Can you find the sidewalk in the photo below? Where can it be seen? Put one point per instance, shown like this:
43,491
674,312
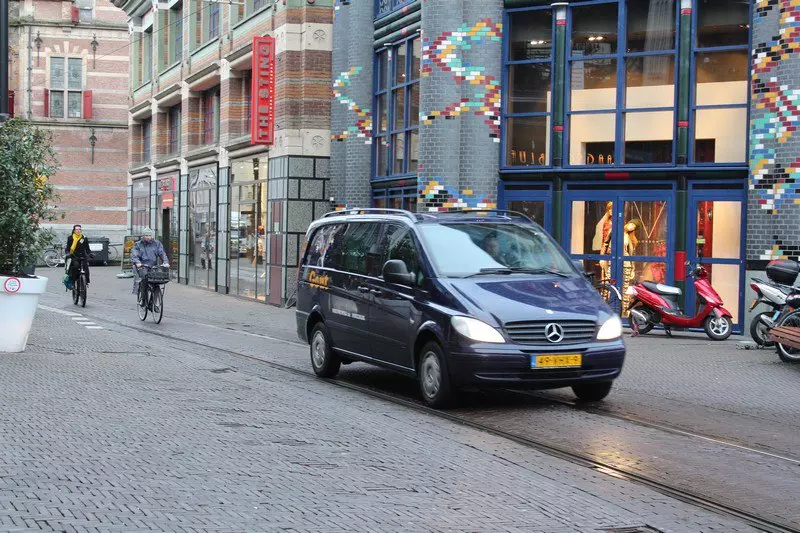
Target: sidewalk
117,430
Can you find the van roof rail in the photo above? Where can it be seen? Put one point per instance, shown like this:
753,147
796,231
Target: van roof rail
478,211
371,211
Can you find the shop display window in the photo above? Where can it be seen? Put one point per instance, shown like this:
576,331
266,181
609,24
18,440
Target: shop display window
203,226
248,228
527,108
140,205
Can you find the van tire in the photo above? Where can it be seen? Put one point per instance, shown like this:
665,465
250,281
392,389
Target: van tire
434,377
324,361
592,392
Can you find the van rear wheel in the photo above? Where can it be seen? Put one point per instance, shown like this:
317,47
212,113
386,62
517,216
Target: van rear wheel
592,392
325,363
434,378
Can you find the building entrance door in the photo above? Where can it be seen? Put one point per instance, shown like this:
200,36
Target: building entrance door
622,236
715,241
534,202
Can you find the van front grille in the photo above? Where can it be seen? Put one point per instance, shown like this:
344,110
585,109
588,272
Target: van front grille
575,331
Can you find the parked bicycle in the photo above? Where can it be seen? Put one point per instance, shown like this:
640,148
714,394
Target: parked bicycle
54,256
79,286
151,292
609,291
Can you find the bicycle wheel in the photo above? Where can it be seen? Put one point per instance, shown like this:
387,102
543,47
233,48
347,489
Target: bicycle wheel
82,289
611,295
141,302
51,258
789,354
113,253
158,304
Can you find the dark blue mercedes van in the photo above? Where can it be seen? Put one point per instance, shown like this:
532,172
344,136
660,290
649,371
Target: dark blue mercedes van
457,300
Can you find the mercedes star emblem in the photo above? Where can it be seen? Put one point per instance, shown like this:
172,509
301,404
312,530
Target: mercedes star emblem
553,333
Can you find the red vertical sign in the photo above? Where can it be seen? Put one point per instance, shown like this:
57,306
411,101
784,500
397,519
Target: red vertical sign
262,101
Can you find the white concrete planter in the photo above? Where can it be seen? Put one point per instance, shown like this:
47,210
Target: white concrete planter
18,300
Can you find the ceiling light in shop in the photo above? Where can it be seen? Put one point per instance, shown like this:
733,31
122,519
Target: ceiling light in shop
538,42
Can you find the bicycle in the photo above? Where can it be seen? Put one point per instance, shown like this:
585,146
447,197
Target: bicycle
609,291
79,286
151,293
54,256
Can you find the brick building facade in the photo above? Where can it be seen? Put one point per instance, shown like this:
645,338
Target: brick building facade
231,213
68,63
620,126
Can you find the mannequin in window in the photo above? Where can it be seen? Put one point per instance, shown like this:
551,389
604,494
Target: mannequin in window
630,242
601,243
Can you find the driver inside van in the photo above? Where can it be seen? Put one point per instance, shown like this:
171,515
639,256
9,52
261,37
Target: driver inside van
491,245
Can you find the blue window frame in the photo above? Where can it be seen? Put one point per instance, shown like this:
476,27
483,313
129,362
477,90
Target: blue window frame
395,198
533,199
720,69
622,88
385,7
527,75
176,15
395,126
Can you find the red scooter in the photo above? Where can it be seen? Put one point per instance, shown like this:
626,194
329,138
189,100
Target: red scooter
651,303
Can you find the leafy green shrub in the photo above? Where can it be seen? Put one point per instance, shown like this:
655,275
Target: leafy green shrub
27,160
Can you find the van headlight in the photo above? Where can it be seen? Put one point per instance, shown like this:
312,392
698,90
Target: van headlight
476,330
610,330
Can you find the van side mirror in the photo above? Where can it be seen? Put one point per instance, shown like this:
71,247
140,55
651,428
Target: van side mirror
395,271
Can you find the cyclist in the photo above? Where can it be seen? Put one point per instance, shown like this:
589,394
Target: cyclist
77,248
144,256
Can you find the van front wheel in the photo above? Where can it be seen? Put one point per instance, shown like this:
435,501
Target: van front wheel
325,363
434,379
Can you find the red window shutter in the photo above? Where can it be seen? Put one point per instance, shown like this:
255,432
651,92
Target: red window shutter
87,104
11,103
75,14
46,102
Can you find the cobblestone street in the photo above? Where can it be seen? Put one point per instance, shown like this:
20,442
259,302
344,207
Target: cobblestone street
212,421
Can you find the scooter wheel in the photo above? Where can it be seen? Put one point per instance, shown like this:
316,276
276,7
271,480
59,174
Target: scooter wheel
760,332
718,329
642,328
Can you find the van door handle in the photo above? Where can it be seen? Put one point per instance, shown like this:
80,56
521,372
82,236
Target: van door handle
363,288
376,292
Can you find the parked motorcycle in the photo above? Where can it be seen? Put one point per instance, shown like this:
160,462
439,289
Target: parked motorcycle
782,275
653,303
773,295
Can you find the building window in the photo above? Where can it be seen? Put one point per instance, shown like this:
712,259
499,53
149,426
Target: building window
396,105
621,93
395,198
721,64
85,11
66,95
146,139
140,204
174,129
247,90
385,7
176,32
528,72
147,55
211,116
213,21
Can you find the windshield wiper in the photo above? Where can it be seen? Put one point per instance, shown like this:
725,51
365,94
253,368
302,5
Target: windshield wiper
539,271
490,272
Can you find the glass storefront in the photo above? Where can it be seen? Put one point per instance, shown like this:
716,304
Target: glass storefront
202,226
247,242
397,198
140,205
167,218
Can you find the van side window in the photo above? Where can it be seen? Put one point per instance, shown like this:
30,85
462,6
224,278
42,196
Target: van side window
359,248
400,245
326,247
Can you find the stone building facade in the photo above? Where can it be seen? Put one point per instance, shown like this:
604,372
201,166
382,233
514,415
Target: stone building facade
590,117
69,75
231,213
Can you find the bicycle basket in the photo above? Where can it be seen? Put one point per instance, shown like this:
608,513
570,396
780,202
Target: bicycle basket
158,275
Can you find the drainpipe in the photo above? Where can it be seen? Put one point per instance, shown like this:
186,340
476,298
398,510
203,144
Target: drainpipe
30,71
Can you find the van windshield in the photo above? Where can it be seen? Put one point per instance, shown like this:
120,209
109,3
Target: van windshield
465,249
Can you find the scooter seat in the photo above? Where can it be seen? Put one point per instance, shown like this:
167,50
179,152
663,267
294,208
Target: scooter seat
658,288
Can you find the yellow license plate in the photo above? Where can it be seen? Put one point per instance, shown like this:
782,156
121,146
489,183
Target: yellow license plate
557,361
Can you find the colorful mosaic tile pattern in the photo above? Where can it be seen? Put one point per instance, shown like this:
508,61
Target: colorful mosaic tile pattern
442,53
362,127
435,196
781,251
776,116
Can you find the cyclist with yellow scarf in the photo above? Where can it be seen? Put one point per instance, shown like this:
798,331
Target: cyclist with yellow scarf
77,247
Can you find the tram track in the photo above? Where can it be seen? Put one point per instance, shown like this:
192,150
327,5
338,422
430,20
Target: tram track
691,497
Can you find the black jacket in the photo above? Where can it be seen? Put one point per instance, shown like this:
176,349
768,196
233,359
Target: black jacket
82,250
